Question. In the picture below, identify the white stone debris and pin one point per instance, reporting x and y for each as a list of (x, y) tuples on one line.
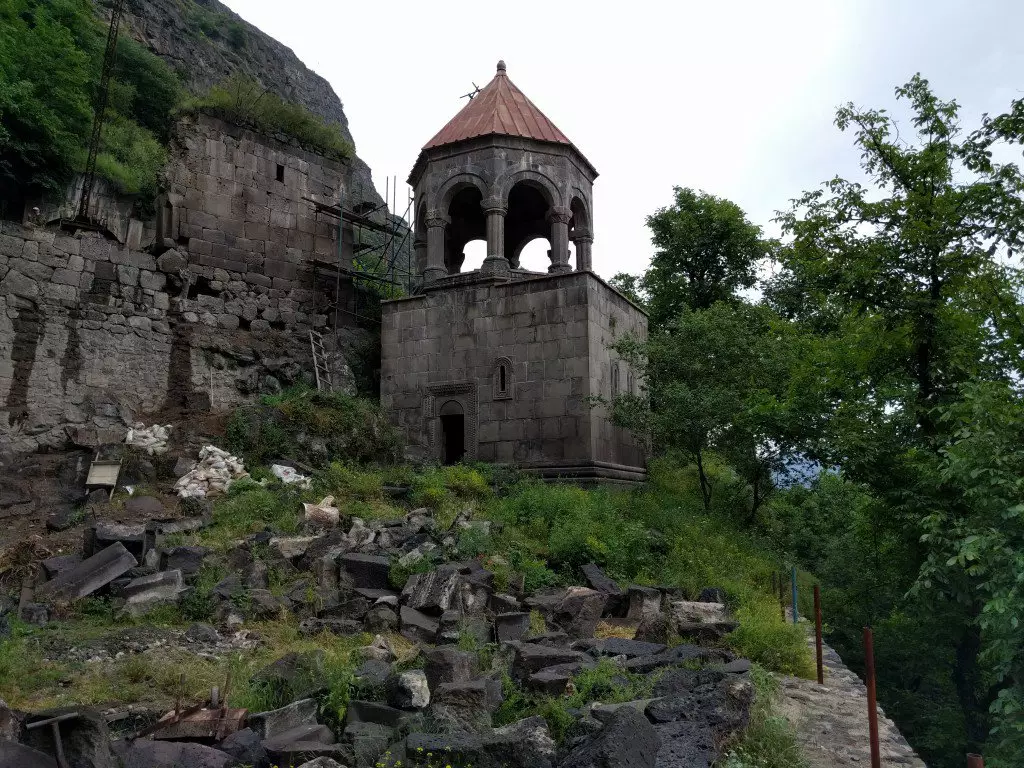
[(289, 476), (153, 440), (324, 513), (214, 473)]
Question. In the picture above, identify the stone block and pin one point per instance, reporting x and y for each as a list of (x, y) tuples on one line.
[(91, 574)]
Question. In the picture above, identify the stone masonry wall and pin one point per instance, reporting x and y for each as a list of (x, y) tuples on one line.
[(610, 318), (94, 336), (446, 345), (239, 201)]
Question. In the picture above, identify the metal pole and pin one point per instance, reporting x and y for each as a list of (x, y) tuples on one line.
[(869, 673), (817, 634), (796, 616), (975, 761)]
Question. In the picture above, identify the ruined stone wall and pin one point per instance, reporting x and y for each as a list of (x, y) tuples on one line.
[(447, 345), (240, 202)]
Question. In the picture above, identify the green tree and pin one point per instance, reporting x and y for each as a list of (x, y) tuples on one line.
[(45, 86), (715, 379), (706, 251), (908, 283)]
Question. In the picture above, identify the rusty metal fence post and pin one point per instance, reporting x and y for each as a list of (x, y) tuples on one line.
[(869, 669), (817, 634), (975, 761)]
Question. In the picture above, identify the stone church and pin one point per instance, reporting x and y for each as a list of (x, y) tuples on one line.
[(503, 364)]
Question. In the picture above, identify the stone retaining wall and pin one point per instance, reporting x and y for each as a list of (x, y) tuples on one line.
[(94, 336)]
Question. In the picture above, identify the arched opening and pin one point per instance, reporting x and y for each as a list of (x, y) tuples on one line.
[(535, 255), (453, 432), (475, 251), (467, 223), (527, 220)]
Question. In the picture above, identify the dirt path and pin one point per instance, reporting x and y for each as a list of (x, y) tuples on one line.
[(831, 720)]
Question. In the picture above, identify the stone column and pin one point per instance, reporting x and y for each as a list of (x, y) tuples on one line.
[(419, 250), (583, 258), (436, 225), (495, 263), (559, 218)]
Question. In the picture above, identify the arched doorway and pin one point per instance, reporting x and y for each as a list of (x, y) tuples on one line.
[(453, 432)]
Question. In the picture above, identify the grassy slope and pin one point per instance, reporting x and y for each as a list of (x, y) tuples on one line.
[(657, 535)]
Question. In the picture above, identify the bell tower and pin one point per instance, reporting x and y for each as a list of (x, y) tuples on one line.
[(500, 170)]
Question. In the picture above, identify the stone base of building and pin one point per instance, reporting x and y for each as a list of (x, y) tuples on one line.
[(586, 472)]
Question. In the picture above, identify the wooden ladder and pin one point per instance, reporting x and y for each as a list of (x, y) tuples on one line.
[(320, 367)]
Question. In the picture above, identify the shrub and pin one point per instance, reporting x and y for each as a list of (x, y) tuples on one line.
[(315, 427), (244, 101), (769, 741), (763, 637)]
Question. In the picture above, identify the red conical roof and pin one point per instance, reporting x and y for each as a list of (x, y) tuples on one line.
[(500, 108)]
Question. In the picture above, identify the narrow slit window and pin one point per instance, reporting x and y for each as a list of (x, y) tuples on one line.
[(503, 379), (280, 172), (615, 379)]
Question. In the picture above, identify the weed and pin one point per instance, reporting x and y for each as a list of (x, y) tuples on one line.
[(769, 741)]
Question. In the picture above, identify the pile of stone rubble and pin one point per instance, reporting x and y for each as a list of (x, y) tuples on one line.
[(338, 579)]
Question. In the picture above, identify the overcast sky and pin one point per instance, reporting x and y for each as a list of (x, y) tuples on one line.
[(735, 98)]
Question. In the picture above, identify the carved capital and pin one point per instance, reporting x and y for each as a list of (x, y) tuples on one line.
[(437, 219), (494, 205), (559, 215)]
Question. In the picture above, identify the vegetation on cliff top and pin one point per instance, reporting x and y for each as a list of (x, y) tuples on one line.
[(50, 61)]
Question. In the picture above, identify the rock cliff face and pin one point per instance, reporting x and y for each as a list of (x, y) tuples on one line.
[(206, 42)]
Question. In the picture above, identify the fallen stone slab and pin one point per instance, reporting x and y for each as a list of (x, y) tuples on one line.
[(378, 714), (511, 626), (433, 592), (549, 682), (598, 580), (579, 611), (644, 602), (15, 755), (145, 592), (144, 753), (449, 665), (301, 734), (84, 735), (417, 626), (680, 654), (530, 658), (409, 690), (104, 533), (627, 740), (90, 575), (604, 713), (367, 571), (465, 706), (369, 741), (706, 622), (523, 744), (187, 559), (322, 762), (618, 646), (272, 723), (245, 747), (56, 565)]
